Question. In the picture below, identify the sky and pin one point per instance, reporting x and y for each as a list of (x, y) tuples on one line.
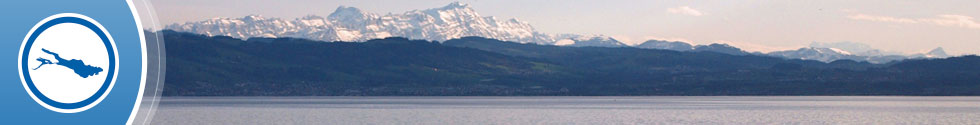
[(754, 25)]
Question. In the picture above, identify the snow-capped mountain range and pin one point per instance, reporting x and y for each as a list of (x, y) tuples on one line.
[(458, 20), (820, 54), (824, 52), (351, 24), (828, 52)]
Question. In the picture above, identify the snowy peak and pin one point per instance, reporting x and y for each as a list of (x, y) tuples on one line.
[(682, 46), (859, 49), (828, 52), (349, 14), (934, 53), (456, 5), (454, 20), (596, 41), (720, 48), (819, 54), (835, 54), (458, 15), (824, 51), (937, 53), (454, 8), (850, 47), (833, 50), (253, 17), (666, 45)]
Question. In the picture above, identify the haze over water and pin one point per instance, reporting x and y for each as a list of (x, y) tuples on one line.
[(570, 110)]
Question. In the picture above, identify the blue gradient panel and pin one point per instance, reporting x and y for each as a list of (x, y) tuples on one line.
[(115, 16)]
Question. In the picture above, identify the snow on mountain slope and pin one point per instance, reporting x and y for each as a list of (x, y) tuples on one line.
[(458, 20), (352, 24), (595, 41), (828, 52), (834, 54), (934, 53), (721, 48), (819, 54), (840, 51), (667, 45), (859, 49)]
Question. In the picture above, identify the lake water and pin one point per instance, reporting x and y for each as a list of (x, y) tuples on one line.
[(569, 110)]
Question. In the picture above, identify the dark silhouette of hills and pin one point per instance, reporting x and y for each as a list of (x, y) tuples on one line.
[(222, 66)]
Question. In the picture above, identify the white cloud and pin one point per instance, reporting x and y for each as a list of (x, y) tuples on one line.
[(686, 10), (949, 20)]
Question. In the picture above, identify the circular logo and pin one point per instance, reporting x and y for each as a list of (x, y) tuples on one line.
[(68, 63)]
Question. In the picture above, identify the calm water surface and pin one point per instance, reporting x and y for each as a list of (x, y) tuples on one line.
[(568, 110)]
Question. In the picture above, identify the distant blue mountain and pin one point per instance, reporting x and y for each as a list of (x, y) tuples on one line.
[(681, 46), (721, 48), (667, 45), (78, 66)]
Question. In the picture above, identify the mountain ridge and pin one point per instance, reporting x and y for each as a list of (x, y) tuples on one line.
[(457, 20), (454, 20), (200, 65)]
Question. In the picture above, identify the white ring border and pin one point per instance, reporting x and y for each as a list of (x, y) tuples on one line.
[(142, 38)]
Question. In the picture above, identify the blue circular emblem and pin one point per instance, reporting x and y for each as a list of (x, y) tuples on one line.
[(74, 92)]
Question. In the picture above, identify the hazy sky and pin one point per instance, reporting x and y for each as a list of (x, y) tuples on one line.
[(762, 25)]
